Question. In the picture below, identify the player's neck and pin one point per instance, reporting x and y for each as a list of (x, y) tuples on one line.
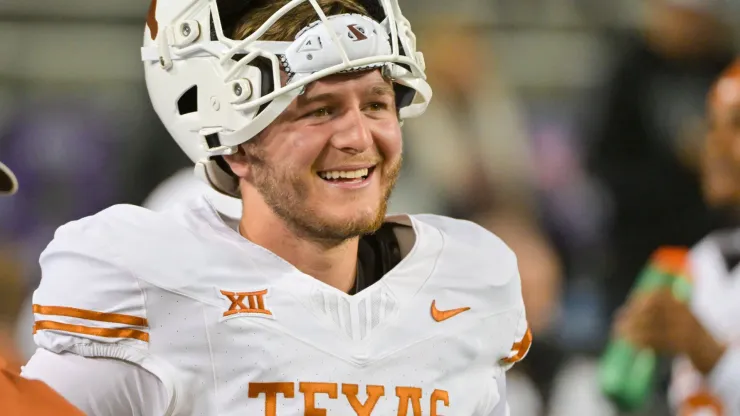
[(333, 264)]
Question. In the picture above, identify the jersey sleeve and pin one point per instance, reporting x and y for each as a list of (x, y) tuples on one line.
[(522, 341), (483, 250), (86, 300), (89, 303), (502, 407), (690, 392), (112, 387)]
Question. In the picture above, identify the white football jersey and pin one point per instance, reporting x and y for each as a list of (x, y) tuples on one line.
[(714, 302), (232, 329)]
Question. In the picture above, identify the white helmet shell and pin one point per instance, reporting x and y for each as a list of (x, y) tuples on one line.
[(214, 93)]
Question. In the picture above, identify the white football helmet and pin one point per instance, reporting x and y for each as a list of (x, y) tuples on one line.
[(214, 93)]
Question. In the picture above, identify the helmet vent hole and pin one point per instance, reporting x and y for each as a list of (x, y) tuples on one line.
[(188, 102)]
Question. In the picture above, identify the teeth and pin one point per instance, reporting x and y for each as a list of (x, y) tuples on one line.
[(347, 174)]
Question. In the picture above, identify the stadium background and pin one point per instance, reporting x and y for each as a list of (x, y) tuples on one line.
[(568, 127)]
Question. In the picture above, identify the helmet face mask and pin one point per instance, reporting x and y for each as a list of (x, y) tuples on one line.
[(214, 93)]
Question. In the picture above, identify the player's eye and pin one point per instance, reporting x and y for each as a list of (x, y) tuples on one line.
[(377, 106), (320, 112)]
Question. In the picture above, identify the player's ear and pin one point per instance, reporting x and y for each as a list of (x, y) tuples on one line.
[(239, 162)]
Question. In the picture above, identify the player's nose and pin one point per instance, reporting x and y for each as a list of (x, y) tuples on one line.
[(352, 134)]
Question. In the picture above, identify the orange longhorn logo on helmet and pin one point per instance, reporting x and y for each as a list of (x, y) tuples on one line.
[(151, 19), (357, 32)]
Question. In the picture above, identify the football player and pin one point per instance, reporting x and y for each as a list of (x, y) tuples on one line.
[(313, 302), (19, 396), (704, 334)]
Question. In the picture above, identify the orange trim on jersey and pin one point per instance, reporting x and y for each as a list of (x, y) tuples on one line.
[(702, 402), (115, 318), (520, 348), (86, 330)]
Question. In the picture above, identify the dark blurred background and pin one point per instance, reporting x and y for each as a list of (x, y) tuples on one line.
[(568, 127)]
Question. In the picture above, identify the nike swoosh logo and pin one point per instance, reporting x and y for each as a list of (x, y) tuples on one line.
[(440, 316)]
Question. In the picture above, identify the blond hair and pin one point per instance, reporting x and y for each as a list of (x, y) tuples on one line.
[(288, 26)]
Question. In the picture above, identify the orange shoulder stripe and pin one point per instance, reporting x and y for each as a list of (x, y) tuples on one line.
[(520, 348), (115, 318), (86, 330)]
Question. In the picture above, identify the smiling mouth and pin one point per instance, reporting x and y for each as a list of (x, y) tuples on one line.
[(346, 176)]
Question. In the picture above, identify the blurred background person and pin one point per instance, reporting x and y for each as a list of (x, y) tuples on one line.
[(644, 146), (643, 143), (703, 335)]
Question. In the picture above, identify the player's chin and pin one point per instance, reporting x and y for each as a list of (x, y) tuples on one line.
[(348, 203), (357, 212), (361, 219)]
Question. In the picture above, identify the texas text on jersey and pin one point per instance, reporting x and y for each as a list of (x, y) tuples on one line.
[(231, 329)]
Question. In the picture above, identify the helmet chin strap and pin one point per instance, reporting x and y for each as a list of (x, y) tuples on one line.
[(212, 174)]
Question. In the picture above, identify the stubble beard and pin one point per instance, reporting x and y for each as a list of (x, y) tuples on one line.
[(285, 195)]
